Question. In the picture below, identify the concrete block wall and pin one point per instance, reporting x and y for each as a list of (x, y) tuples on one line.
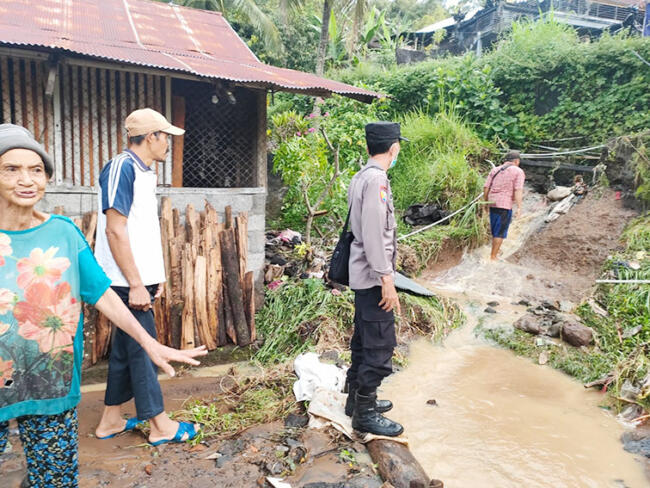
[(77, 201)]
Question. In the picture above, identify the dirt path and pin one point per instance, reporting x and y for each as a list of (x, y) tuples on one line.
[(245, 461)]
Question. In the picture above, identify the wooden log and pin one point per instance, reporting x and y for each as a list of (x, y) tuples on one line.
[(228, 217), (102, 336), (201, 304), (234, 285), (228, 319), (222, 331), (192, 225), (397, 465), (249, 303), (89, 228), (242, 242), (187, 332), (178, 119), (160, 320), (214, 287)]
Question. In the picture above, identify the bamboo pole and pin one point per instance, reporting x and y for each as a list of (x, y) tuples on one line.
[(178, 119), (18, 93), (6, 99)]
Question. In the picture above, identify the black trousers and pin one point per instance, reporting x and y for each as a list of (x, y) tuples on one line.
[(373, 341), (131, 374)]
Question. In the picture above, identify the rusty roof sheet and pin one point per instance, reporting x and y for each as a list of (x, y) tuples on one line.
[(157, 35)]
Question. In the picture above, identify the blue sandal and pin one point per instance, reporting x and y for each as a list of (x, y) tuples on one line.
[(131, 424), (183, 428)]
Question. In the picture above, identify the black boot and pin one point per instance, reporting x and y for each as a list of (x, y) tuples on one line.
[(366, 418), (351, 388)]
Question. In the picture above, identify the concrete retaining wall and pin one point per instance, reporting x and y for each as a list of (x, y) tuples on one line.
[(77, 201)]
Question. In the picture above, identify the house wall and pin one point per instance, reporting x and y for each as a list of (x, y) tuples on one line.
[(74, 202)]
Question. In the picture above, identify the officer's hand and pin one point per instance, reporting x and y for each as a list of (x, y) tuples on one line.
[(389, 297), (139, 298)]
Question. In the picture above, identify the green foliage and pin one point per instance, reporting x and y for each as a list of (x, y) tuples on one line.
[(540, 82), (293, 315), (433, 167), (296, 316)]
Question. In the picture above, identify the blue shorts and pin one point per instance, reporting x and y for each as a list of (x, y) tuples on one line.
[(500, 221)]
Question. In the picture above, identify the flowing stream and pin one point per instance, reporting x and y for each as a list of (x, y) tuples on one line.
[(500, 420)]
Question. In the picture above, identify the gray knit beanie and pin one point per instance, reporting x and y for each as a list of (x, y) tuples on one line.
[(17, 137)]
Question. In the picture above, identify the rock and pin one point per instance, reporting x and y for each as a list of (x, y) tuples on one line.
[(637, 441), (232, 447), (296, 421), (221, 461), (543, 358), (528, 323), (432, 402), (565, 306), (274, 467), (490, 310), (436, 484), (493, 304), (559, 193), (554, 329), (629, 392), (363, 482), (323, 484), (577, 334), (627, 333), (148, 469), (523, 302)]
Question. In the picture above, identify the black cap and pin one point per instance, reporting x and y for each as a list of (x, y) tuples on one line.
[(378, 132)]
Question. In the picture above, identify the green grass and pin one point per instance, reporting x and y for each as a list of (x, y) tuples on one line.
[(616, 351), (302, 314)]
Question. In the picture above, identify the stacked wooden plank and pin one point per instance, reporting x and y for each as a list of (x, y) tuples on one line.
[(208, 298)]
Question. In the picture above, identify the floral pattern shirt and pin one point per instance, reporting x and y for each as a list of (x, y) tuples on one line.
[(45, 273)]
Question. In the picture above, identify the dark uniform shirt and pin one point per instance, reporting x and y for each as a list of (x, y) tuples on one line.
[(372, 220)]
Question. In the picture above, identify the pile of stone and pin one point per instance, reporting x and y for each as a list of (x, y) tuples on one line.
[(554, 319)]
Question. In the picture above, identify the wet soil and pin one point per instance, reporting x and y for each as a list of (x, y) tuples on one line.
[(244, 461), (578, 242)]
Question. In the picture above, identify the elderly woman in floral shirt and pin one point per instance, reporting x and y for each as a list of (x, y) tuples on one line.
[(46, 271)]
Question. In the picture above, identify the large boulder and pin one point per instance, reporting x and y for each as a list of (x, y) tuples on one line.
[(577, 334), (559, 193), (529, 323)]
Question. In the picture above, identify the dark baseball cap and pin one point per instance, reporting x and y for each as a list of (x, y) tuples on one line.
[(378, 132), (17, 137)]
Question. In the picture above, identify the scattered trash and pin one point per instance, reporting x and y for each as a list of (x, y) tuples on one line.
[(423, 214), (277, 482), (148, 469), (561, 208), (313, 374), (275, 284), (290, 236), (336, 292)]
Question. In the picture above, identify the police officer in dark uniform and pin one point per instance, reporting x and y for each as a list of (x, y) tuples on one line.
[(372, 268)]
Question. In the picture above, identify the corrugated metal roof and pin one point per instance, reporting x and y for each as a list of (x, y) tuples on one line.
[(157, 35)]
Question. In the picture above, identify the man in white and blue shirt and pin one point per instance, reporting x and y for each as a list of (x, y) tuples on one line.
[(129, 250)]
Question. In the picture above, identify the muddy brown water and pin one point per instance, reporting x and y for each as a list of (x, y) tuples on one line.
[(500, 420)]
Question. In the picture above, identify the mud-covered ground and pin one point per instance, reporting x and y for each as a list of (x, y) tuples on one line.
[(301, 456)]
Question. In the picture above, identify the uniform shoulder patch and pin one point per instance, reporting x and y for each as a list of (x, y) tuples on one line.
[(383, 194)]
